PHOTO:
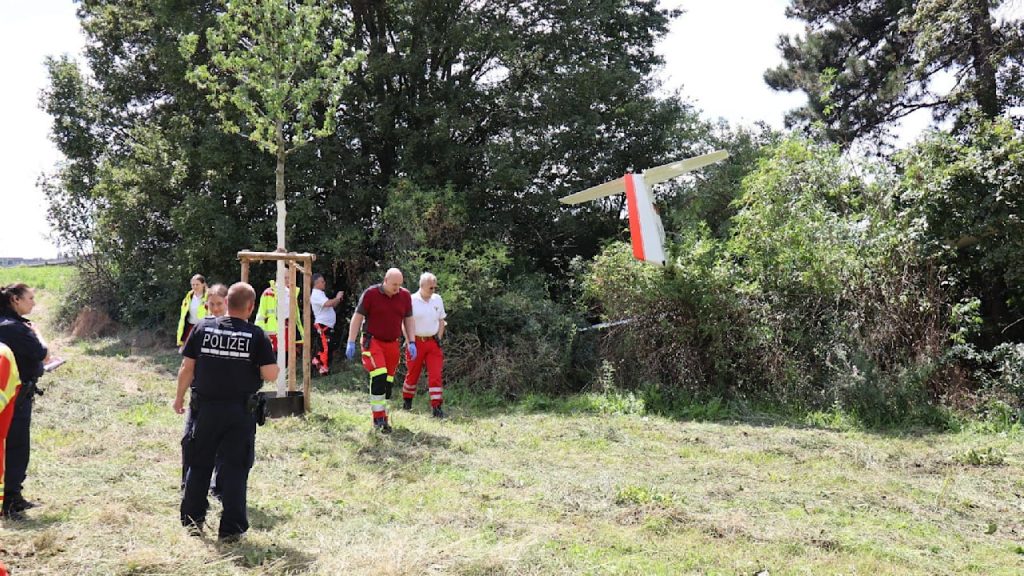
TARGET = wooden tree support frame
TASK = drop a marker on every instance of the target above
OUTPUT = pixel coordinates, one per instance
(302, 262)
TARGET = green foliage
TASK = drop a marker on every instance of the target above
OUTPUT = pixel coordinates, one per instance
(981, 457)
(461, 125)
(962, 199)
(632, 495)
(275, 64)
(865, 65)
(814, 300)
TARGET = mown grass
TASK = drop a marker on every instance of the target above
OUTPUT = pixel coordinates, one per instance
(586, 485)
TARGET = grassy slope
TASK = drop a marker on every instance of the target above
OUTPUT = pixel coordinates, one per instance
(501, 492)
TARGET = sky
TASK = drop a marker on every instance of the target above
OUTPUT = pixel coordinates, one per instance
(716, 52)
(29, 31)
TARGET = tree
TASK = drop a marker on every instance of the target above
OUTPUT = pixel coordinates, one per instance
(962, 199)
(866, 64)
(481, 112)
(275, 77)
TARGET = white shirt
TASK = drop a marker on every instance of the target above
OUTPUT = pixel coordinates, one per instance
(193, 309)
(321, 314)
(428, 315)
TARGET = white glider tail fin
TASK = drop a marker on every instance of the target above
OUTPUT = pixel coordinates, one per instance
(646, 233)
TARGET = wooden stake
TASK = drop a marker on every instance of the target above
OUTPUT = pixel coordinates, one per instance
(292, 293)
(307, 324)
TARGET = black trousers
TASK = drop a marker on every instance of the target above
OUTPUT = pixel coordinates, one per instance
(184, 464)
(19, 442)
(221, 434)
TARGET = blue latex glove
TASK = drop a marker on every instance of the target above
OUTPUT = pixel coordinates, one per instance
(350, 350)
(412, 350)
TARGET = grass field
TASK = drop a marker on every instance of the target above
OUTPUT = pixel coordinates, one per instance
(507, 490)
(45, 277)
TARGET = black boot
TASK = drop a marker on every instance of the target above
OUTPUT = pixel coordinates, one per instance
(17, 503)
(438, 413)
(10, 514)
(407, 404)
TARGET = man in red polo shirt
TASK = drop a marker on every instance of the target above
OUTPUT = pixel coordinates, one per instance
(382, 310)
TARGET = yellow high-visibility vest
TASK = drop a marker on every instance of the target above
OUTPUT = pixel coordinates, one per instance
(185, 303)
(266, 316)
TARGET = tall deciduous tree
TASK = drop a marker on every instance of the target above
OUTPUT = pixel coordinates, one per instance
(489, 110)
(865, 64)
(275, 76)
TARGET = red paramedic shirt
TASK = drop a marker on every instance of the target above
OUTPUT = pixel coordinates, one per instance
(384, 314)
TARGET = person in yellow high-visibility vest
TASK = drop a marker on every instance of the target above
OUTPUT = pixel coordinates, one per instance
(193, 308)
(10, 384)
(266, 316)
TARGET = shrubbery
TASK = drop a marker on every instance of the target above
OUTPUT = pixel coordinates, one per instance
(814, 300)
(826, 286)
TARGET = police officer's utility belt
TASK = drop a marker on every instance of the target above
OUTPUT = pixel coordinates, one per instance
(30, 389)
(255, 404)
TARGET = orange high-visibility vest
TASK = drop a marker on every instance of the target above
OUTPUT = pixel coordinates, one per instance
(10, 380)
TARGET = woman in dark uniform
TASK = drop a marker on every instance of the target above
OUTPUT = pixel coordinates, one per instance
(30, 352)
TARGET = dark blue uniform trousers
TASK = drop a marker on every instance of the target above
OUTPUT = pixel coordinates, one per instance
(221, 433)
(19, 441)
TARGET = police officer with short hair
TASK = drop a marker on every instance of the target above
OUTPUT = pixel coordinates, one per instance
(226, 360)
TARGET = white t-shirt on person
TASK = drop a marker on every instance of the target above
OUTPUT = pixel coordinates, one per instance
(193, 309)
(322, 314)
(428, 315)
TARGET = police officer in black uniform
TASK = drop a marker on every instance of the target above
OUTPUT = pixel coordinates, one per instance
(226, 360)
(17, 300)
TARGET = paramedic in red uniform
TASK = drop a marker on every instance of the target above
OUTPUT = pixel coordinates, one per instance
(428, 312)
(382, 311)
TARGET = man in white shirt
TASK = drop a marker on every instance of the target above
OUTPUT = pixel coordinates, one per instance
(326, 339)
(428, 313)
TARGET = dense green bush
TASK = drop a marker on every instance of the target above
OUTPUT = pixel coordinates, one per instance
(816, 299)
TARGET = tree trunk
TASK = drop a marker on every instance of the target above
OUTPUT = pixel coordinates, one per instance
(282, 292)
(983, 49)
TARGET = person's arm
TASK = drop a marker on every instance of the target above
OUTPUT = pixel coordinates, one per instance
(39, 335)
(334, 301)
(265, 357)
(441, 323)
(354, 325)
(185, 375)
(269, 372)
(409, 328)
(32, 347)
